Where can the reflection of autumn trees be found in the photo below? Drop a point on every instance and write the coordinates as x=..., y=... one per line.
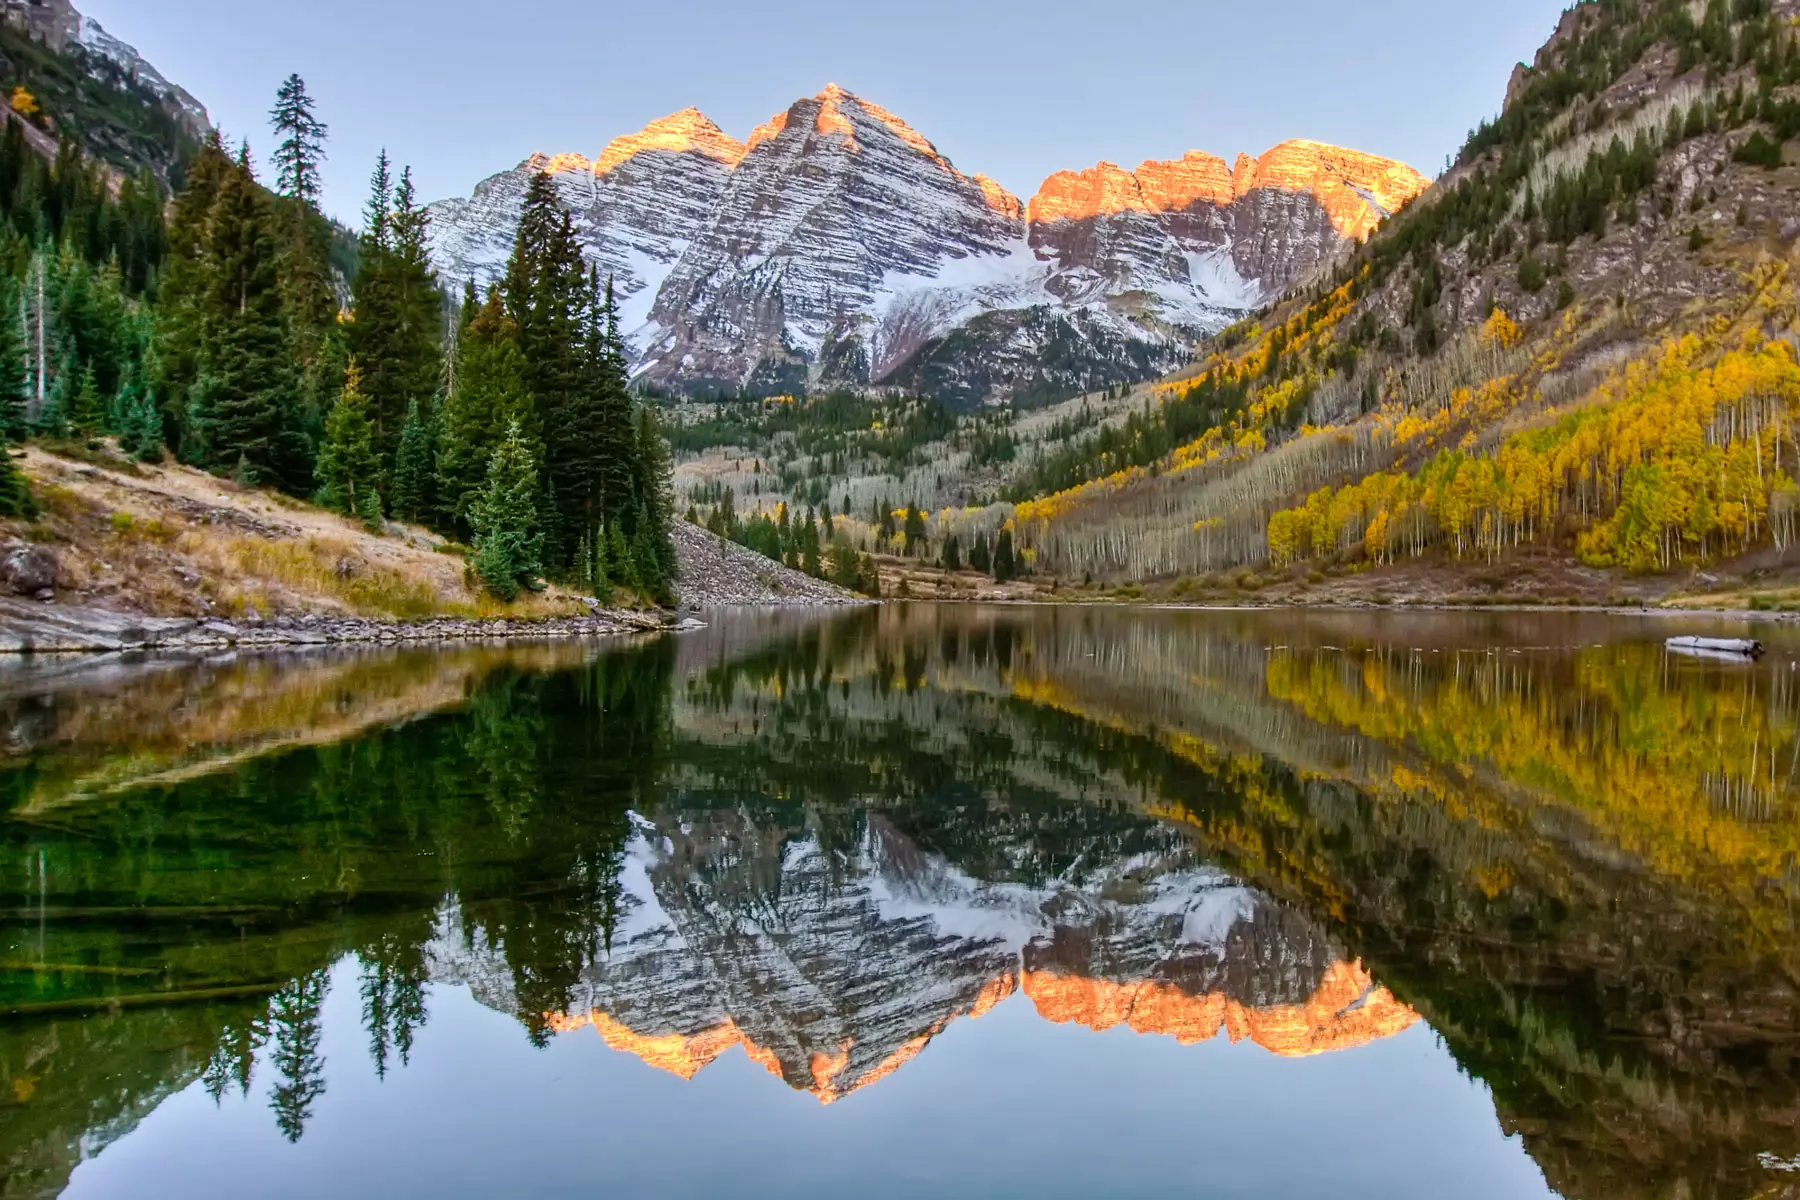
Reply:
x=1614, y=957
x=1694, y=775
x=1578, y=866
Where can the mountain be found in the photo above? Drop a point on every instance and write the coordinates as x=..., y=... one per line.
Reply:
x=838, y=246
x=638, y=206
x=1567, y=370
x=90, y=83
x=845, y=966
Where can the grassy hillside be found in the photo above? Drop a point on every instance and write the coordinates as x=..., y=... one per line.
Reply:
x=1577, y=348
x=168, y=540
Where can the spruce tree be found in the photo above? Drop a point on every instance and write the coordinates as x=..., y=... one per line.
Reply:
x=253, y=397
x=182, y=295
x=655, y=507
x=13, y=391
x=846, y=569
x=490, y=394
x=979, y=558
x=349, y=471
x=1005, y=566
x=414, y=481
x=915, y=531
x=505, y=518
x=140, y=423
x=305, y=238
x=87, y=411
x=301, y=148
x=398, y=322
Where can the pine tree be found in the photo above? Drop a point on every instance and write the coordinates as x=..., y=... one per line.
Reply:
x=952, y=554
x=979, y=558
x=399, y=310
x=13, y=393
x=414, y=481
x=871, y=578
x=654, y=504
x=1005, y=566
x=490, y=394
x=301, y=148
x=915, y=531
x=140, y=422
x=252, y=397
x=548, y=295
x=505, y=518
x=349, y=470
x=182, y=295
x=305, y=238
x=88, y=410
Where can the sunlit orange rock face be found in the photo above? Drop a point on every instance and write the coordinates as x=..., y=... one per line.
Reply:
x=823, y=1074
x=1347, y=1010
x=1355, y=189
x=689, y=130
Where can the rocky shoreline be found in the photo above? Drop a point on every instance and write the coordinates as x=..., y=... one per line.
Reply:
x=38, y=628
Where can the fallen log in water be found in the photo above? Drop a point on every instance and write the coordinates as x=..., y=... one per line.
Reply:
x=1717, y=647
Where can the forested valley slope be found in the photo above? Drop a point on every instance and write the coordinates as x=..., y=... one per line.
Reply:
x=1574, y=355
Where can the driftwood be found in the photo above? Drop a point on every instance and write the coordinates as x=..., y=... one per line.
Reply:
x=1717, y=647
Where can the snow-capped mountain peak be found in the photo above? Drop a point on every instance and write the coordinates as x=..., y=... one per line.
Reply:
x=837, y=245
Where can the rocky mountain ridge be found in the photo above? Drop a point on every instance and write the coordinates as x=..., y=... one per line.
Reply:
x=844, y=971
x=837, y=246
x=62, y=27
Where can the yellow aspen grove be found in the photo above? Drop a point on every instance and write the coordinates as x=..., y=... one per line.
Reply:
x=1670, y=461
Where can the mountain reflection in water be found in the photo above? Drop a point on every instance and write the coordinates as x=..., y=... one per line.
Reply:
x=823, y=840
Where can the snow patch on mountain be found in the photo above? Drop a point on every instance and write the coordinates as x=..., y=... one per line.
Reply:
x=837, y=243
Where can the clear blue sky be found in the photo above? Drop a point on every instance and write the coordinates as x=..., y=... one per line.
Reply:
x=461, y=89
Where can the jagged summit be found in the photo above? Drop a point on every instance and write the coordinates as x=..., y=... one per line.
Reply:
x=1358, y=189
x=688, y=131
x=838, y=246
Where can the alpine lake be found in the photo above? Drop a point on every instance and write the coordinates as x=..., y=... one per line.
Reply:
x=912, y=900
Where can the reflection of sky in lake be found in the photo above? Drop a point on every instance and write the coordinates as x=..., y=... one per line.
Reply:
x=1006, y=1105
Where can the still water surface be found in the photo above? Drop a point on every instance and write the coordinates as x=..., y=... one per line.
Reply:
x=911, y=901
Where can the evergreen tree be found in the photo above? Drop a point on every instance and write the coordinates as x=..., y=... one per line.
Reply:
x=88, y=410
x=252, y=399
x=505, y=518
x=53, y=419
x=13, y=393
x=294, y=1019
x=952, y=554
x=809, y=547
x=490, y=394
x=548, y=295
x=1005, y=566
x=653, y=508
x=871, y=578
x=399, y=311
x=182, y=295
x=305, y=240
x=349, y=471
x=979, y=558
x=301, y=146
x=140, y=423
x=846, y=570
x=414, y=481
x=915, y=531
